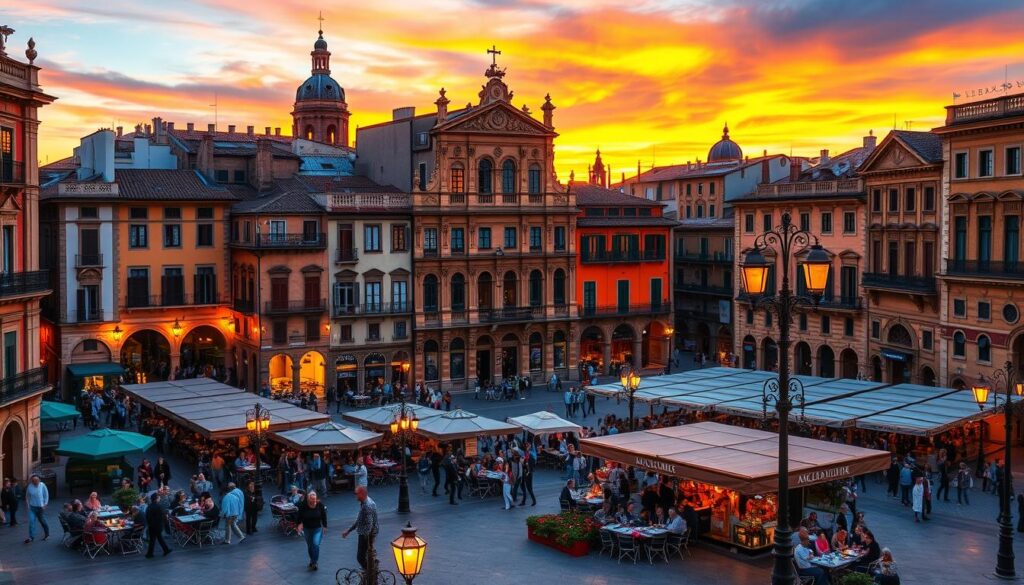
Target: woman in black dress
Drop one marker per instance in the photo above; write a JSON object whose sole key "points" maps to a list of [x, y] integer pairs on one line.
{"points": [[252, 507]]}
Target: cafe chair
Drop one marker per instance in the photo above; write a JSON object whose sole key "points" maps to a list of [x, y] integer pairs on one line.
{"points": [[678, 543], [802, 579], [657, 546], [607, 542], [207, 532], [184, 534], [479, 488], [628, 548], [564, 504], [132, 543], [94, 543]]}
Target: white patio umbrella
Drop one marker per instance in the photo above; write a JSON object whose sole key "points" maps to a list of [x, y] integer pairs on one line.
{"points": [[329, 435], [544, 422]]}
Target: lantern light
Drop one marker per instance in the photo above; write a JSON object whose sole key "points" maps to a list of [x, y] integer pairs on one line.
{"points": [[406, 366], [415, 422], [117, 333], [176, 328], [755, 273], [394, 427], [1019, 388], [816, 267], [981, 390], [409, 551]]}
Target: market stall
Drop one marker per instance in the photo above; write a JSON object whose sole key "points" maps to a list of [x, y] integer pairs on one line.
{"points": [[379, 418], [327, 436], [461, 425], [94, 377], [939, 413], [730, 474]]}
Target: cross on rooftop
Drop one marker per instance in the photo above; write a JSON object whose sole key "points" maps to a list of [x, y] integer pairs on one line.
{"points": [[494, 52]]}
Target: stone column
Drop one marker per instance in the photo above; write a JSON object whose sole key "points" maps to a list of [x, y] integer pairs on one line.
{"points": [[607, 346], [175, 362], [296, 368], [638, 349]]}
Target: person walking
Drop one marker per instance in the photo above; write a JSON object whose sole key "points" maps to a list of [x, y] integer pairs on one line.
{"points": [[527, 480], [568, 399], [312, 522], [317, 473], [252, 507], [451, 477], [423, 469], [516, 468], [365, 526], [963, 483], [156, 521], [892, 476], [506, 488], [906, 482], [361, 475], [591, 402], [163, 472], [943, 493], [917, 497], [231, 507], [9, 502], [38, 497], [435, 468]]}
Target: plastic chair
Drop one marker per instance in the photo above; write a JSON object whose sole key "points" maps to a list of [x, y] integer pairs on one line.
{"points": [[628, 547], [93, 543]]}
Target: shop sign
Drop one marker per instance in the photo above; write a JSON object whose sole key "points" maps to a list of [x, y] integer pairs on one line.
{"points": [[823, 475], [655, 465]]}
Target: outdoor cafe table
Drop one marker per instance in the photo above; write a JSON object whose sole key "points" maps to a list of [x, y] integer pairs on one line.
{"points": [[635, 531], [837, 561], [581, 497], [117, 529], [109, 512], [191, 518], [384, 463], [491, 475]]}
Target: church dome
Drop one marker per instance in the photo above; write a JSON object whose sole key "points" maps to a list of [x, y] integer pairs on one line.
{"points": [[320, 86], [725, 150]]}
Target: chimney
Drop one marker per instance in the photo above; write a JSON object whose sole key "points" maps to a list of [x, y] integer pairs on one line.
{"points": [[794, 170], [266, 131], [403, 113], [211, 127], [149, 130], [824, 159], [231, 128], [158, 130], [204, 158], [190, 126], [264, 165], [250, 130], [870, 140], [765, 152], [766, 172], [170, 126], [277, 131], [120, 131]]}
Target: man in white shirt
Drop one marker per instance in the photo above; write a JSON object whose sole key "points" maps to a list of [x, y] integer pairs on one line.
{"points": [[676, 524], [38, 497], [803, 555]]}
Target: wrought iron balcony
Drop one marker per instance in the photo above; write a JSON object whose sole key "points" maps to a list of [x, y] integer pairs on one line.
{"points": [[506, 314], [897, 282], [708, 289], [16, 284], [371, 309], [136, 301], [287, 307], [312, 241], [620, 310], [85, 260], [841, 303], [12, 172], [22, 385], [716, 258], [346, 255], [622, 256], [87, 316], [986, 268]]}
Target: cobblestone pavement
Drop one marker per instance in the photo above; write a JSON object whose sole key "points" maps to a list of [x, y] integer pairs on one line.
{"points": [[479, 543]]}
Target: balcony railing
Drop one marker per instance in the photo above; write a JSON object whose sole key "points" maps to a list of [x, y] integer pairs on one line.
{"points": [[314, 241], [811, 188], [244, 306], [709, 289], [430, 253], [12, 172], [365, 201], [90, 316], [21, 385], [301, 306], [716, 258], [83, 260], [371, 309], [883, 280], [506, 314], [987, 268], [842, 303], [17, 284], [991, 108], [622, 256], [135, 301], [502, 200], [346, 255], [613, 310]]}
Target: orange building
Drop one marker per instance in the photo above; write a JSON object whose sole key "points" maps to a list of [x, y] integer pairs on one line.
{"points": [[623, 280], [22, 284]]}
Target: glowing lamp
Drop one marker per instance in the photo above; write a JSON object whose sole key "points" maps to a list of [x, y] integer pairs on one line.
{"points": [[415, 422], [176, 328], [816, 267], [116, 333], [981, 390], [755, 273], [409, 551], [406, 366], [1019, 388], [394, 427]]}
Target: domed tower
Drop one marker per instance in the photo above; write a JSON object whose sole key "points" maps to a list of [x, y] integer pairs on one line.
{"points": [[725, 150], [320, 111]]}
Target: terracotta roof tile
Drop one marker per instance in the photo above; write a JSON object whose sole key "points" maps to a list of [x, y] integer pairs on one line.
{"points": [[594, 195]]}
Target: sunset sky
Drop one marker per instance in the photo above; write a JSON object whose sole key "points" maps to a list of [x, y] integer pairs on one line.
{"points": [[641, 79]]}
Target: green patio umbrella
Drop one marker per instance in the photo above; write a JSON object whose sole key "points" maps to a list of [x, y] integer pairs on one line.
{"points": [[104, 444], [57, 412]]}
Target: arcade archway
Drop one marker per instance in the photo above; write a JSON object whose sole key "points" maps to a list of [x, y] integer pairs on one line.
{"points": [[202, 353], [146, 357]]}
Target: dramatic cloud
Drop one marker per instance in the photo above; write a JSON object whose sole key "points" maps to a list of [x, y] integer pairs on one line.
{"points": [[644, 80]]}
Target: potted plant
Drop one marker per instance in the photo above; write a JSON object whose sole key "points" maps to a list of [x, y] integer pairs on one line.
{"points": [[858, 579], [125, 498], [568, 532]]}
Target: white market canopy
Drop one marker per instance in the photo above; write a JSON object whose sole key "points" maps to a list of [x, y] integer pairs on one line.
{"points": [[216, 410], [379, 418], [543, 422], [459, 424], [328, 436]]}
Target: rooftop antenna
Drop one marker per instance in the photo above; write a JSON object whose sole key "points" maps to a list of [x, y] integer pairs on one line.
{"points": [[909, 124], [215, 110], [894, 120]]}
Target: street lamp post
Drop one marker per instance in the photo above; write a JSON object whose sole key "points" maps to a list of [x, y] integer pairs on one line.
{"points": [[630, 381], [257, 422], [405, 422], [409, 551], [1008, 377], [755, 275]]}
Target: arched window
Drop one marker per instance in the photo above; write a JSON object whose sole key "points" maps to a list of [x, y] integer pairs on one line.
{"points": [[332, 134], [457, 359], [559, 349], [484, 291], [485, 174], [508, 177], [308, 132], [536, 352], [959, 344], [559, 289], [458, 292], [430, 294], [536, 288], [984, 349], [458, 178], [430, 372], [510, 296], [534, 179], [899, 335]]}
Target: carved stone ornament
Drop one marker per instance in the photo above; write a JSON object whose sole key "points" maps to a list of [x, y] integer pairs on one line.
{"points": [[458, 151], [471, 150], [535, 153], [498, 120], [497, 151], [431, 199]]}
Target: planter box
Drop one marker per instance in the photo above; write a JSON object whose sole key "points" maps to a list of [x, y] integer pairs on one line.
{"points": [[578, 549]]}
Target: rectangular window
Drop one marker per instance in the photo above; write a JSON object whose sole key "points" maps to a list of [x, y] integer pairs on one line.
{"points": [[960, 237], [623, 296], [929, 198], [700, 188], [401, 330], [748, 223], [89, 248], [750, 316], [711, 209], [560, 238], [138, 236], [204, 286], [510, 238], [311, 231], [959, 308], [909, 258], [373, 332], [371, 238], [204, 213], [848, 327], [221, 175], [986, 163], [399, 242], [928, 259], [711, 188], [399, 296], [766, 222], [88, 213], [826, 324], [926, 339], [138, 213], [138, 287], [909, 199], [1011, 239], [847, 283], [849, 222], [172, 213], [422, 179], [894, 200], [458, 242], [1013, 160], [172, 287], [239, 176], [656, 300], [373, 299], [689, 212], [984, 238], [458, 180], [876, 200], [278, 230], [204, 235], [536, 239], [312, 329], [345, 298], [700, 211], [345, 334], [826, 222], [960, 165], [803, 321], [483, 238], [346, 243], [654, 247], [876, 329], [533, 180], [172, 235], [984, 311], [430, 241], [88, 304], [805, 221]]}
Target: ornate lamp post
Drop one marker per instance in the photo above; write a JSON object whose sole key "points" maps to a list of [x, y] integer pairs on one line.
{"points": [[405, 422], [405, 374], [257, 422], [1008, 377], [755, 273], [630, 381], [409, 551]]}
